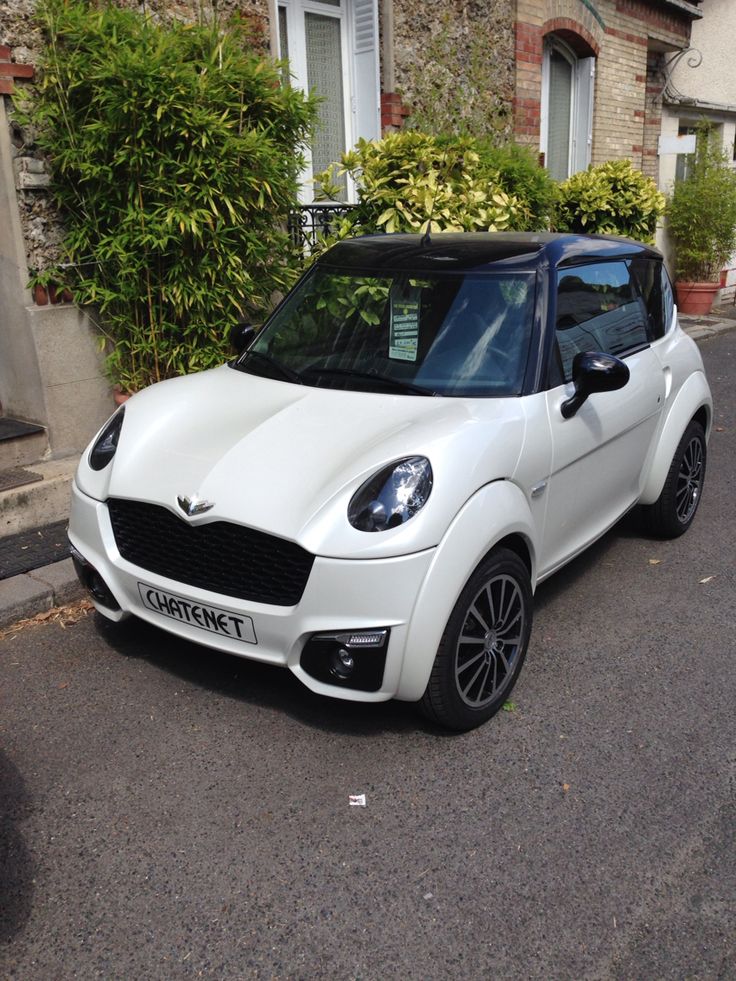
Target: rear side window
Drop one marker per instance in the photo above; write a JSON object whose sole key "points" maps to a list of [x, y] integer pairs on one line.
{"points": [[599, 308], [668, 299], [653, 281]]}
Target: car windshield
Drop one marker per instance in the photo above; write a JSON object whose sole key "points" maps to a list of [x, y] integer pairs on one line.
{"points": [[446, 334]]}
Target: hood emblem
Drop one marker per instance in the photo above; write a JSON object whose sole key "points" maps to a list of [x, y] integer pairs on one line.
{"points": [[193, 505]]}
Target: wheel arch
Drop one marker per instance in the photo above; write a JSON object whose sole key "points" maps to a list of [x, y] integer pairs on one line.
{"points": [[498, 515], [693, 402]]}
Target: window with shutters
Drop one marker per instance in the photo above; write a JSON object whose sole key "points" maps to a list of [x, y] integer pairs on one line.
{"points": [[332, 49], [567, 108]]}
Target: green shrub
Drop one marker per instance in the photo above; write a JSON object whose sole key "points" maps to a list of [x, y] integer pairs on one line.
{"points": [[175, 153], [610, 199], [701, 214], [410, 181], [520, 174]]}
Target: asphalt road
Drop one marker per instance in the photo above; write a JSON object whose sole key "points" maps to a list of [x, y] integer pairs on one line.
{"points": [[170, 813]]}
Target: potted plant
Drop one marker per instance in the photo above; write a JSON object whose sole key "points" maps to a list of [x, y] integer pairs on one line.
{"points": [[701, 220]]}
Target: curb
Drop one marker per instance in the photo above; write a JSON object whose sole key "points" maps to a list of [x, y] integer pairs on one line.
{"points": [[35, 592], [57, 584]]}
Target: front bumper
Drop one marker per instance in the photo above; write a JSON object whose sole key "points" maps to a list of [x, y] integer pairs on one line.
{"points": [[341, 595]]}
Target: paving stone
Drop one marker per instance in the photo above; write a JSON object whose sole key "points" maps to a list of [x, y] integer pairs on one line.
{"points": [[699, 333]]}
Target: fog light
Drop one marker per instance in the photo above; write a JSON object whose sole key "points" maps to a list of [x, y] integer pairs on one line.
{"points": [[342, 664], [351, 659], [93, 581]]}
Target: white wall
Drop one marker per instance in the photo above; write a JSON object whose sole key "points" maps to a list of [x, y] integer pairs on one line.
{"points": [[714, 35]]}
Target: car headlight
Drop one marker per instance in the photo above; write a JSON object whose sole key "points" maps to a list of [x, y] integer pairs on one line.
{"points": [[107, 442], [391, 496]]}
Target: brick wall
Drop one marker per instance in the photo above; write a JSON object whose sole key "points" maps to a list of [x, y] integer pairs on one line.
{"points": [[624, 36], [9, 71]]}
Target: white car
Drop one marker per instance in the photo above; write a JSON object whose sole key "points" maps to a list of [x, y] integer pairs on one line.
{"points": [[421, 432]]}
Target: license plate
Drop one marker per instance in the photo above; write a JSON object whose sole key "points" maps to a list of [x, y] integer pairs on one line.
{"points": [[211, 618]]}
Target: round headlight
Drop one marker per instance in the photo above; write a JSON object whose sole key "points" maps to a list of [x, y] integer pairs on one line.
{"points": [[107, 442], [391, 496]]}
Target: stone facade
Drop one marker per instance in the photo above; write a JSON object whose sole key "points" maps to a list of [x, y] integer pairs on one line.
{"points": [[462, 26]]}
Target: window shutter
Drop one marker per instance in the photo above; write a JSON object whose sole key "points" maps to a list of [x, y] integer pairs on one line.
{"points": [[584, 114], [366, 98]]}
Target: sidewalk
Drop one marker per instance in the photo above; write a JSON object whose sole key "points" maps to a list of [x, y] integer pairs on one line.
{"points": [[36, 573]]}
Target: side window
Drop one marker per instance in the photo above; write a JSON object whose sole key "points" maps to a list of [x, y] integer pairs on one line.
{"points": [[651, 277], [668, 299], [598, 309]]}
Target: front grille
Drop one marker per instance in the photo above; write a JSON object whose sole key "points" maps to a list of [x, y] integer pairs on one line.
{"points": [[219, 556]]}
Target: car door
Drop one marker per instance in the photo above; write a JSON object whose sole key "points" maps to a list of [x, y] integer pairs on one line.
{"points": [[598, 454]]}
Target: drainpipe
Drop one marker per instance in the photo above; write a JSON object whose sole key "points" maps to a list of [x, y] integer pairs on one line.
{"points": [[273, 28]]}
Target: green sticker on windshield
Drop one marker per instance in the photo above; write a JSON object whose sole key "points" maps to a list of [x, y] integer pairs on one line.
{"points": [[403, 344]]}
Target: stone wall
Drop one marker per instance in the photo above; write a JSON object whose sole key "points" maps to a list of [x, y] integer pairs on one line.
{"points": [[487, 25]]}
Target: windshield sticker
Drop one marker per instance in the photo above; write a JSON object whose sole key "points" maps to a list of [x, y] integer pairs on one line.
{"points": [[404, 334]]}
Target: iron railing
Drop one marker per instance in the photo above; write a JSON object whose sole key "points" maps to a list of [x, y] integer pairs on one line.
{"points": [[308, 222]]}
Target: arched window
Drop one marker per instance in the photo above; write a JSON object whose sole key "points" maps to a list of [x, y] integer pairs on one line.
{"points": [[567, 108]]}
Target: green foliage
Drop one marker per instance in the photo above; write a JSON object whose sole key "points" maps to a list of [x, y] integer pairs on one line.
{"points": [[701, 213], [520, 174], [175, 154], [463, 83], [610, 199], [411, 181]]}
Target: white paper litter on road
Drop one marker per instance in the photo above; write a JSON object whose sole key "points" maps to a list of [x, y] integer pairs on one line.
{"points": [[357, 800]]}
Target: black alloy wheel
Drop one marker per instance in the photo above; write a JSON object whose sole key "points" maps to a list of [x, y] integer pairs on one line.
{"points": [[484, 644], [673, 512]]}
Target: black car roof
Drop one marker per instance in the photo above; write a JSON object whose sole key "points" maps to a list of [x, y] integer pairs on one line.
{"points": [[464, 251]]}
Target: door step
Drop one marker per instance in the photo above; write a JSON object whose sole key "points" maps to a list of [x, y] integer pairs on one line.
{"points": [[39, 502], [21, 443], [15, 429]]}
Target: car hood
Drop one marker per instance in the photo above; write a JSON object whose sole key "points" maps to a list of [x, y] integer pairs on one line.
{"points": [[286, 458]]}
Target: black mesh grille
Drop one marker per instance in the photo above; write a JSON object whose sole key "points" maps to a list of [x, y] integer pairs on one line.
{"points": [[219, 556]]}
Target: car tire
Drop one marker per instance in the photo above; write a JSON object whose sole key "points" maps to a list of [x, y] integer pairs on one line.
{"points": [[673, 512], [483, 646]]}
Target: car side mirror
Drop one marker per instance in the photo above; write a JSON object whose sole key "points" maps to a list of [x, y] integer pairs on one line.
{"points": [[593, 371], [240, 336]]}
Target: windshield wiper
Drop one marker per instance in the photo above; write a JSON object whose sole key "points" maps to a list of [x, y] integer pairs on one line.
{"points": [[285, 372], [397, 383]]}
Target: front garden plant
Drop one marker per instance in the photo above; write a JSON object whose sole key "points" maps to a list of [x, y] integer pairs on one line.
{"points": [[175, 152], [412, 181], [613, 198]]}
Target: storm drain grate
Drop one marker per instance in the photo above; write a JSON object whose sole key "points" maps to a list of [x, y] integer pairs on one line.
{"points": [[33, 549], [17, 477]]}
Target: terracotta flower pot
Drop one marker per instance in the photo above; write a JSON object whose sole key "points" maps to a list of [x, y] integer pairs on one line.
{"points": [[119, 395], [40, 296], [696, 298]]}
